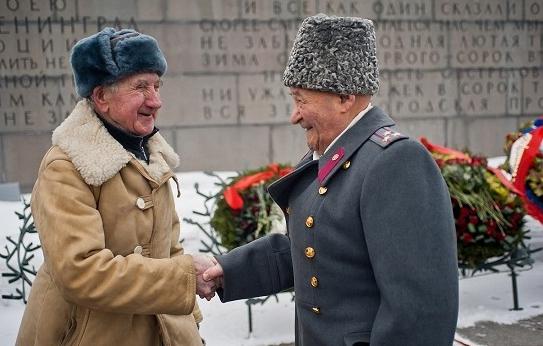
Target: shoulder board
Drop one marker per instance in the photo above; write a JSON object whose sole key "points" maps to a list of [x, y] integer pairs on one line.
{"points": [[386, 136]]}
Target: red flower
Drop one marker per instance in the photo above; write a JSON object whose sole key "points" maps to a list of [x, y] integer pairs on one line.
{"points": [[499, 235], [478, 161]]}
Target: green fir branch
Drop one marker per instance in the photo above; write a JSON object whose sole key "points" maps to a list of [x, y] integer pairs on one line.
{"points": [[18, 257]]}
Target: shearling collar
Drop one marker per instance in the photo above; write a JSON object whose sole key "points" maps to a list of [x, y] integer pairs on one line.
{"points": [[97, 156]]}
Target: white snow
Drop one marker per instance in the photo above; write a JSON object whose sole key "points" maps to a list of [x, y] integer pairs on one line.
{"points": [[487, 297]]}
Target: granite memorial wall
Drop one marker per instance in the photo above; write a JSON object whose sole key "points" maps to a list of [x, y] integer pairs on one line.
{"points": [[462, 73]]}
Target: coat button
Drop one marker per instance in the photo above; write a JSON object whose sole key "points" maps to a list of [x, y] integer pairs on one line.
{"points": [[316, 310], [309, 252], [140, 203], [309, 221], [322, 190], [346, 164], [138, 250], [314, 281]]}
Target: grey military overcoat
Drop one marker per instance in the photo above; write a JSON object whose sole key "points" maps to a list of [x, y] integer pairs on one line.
{"points": [[371, 247]]}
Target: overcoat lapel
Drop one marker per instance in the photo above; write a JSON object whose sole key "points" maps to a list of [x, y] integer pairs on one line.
{"points": [[279, 189]]}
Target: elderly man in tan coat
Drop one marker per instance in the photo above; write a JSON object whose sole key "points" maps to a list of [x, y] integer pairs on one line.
{"points": [[114, 272]]}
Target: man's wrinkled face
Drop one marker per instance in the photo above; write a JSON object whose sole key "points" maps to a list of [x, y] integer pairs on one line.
{"points": [[317, 113], [133, 103]]}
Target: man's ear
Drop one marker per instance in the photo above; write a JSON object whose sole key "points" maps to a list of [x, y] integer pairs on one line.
{"points": [[100, 99], [346, 102]]}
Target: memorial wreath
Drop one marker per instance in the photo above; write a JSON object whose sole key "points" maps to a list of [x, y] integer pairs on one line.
{"points": [[244, 211], [487, 209]]}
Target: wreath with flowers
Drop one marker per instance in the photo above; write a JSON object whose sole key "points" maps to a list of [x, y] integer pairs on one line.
{"points": [[524, 162], [487, 209], [244, 211]]}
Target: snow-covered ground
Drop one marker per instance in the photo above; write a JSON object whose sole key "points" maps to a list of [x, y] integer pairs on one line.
{"points": [[486, 297]]}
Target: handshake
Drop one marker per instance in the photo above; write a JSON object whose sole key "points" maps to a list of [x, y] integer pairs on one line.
{"points": [[209, 276]]}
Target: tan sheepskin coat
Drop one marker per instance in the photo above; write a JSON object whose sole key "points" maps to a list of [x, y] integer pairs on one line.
{"points": [[114, 272]]}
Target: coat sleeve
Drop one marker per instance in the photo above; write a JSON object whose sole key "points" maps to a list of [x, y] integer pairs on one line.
{"points": [[408, 224], [87, 273], [176, 249], [262, 267]]}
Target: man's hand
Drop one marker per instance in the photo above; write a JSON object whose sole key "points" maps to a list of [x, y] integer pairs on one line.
{"points": [[214, 274], [204, 289]]}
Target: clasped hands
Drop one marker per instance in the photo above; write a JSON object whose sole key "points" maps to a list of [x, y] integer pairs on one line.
{"points": [[209, 276]]}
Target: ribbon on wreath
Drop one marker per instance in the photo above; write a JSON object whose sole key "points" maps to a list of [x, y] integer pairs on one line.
{"points": [[232, 194], [523, 153], [450, 153]]}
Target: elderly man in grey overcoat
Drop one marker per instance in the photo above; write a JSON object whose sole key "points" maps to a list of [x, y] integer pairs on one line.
{"points": [[370, 249]]}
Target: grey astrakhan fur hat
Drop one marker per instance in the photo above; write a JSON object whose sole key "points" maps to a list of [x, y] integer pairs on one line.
{"points": [[110, 55], [335, 54]]}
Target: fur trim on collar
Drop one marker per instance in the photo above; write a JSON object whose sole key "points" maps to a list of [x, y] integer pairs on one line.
{"points": [[97, 156]]}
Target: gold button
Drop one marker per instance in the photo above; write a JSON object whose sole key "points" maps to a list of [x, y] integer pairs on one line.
{"points": [[335, 157], [138, 250], [309, 252], [316, 310], [309, 221], [314, 281], [140, 203], [346, 164], [322, 190]]}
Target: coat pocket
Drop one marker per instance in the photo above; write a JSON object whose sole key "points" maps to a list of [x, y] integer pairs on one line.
{"points": [[77, 326], [357, 339]]}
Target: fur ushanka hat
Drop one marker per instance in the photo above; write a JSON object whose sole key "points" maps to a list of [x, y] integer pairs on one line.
{"points": [[335, 54], [110, 55]]}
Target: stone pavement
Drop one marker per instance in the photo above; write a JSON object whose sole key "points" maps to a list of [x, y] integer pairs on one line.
{"points": [[528, 332]]}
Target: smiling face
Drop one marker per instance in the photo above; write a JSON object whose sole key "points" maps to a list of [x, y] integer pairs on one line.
{"points": [[131, 104], [321, 114]]}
